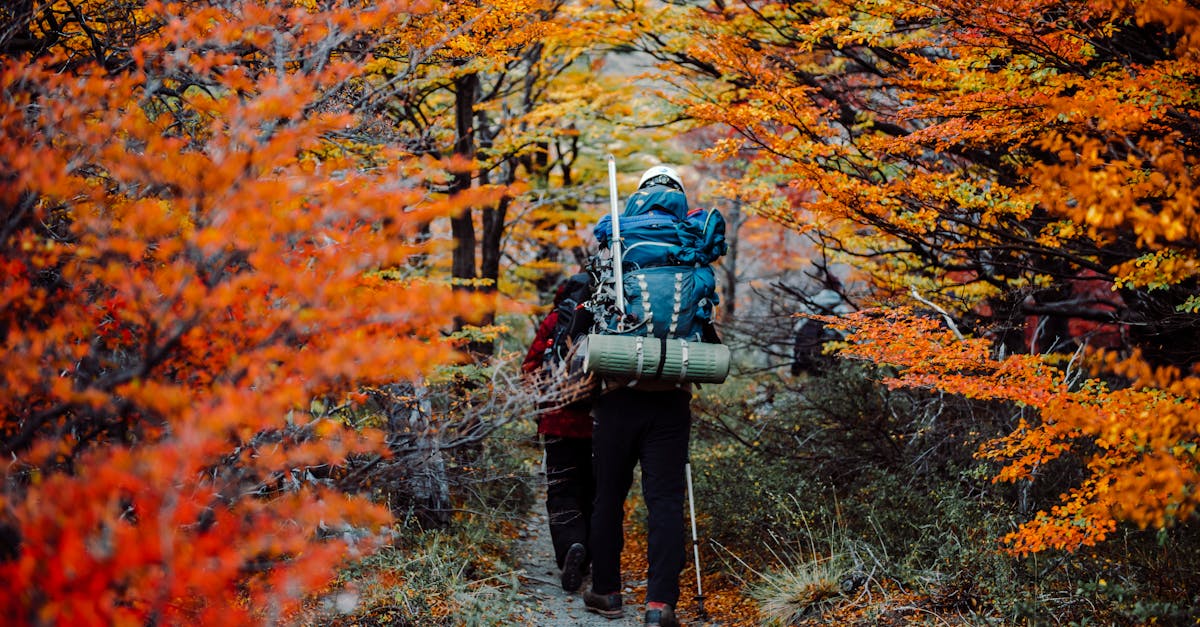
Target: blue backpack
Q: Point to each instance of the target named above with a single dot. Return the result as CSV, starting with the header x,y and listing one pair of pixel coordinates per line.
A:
x,y
669,284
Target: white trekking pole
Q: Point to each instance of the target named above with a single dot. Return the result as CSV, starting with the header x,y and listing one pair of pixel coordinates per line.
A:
x,y
616,241
687,467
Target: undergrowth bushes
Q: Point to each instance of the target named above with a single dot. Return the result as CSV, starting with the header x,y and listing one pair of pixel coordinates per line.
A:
x,y
829,494
449,567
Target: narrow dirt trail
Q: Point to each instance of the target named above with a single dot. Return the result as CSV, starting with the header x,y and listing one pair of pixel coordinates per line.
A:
x,y
542,600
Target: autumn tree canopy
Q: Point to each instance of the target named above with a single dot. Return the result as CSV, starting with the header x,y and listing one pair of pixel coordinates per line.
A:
x,y
1027,167
199,214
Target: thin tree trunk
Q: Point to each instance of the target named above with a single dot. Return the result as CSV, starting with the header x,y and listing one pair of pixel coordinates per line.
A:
x,y
412,430
493,237
733,223
462,226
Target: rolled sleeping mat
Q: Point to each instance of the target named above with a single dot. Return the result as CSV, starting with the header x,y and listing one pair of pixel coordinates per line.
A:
x,y
653,359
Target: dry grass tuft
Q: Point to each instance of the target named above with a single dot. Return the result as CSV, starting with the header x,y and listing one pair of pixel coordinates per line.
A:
x,y
787,595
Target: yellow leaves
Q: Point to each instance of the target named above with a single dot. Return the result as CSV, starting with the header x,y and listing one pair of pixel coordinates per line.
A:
x,y
488,34
1055,234
385,66
1150,192
1157,270
826,26
725,148
463,45
564,101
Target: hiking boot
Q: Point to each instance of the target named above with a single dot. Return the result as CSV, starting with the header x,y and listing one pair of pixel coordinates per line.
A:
x,y
661,617
606,605
572,568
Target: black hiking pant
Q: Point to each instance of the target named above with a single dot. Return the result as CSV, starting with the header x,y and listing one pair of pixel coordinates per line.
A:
x,y
650,428
570,490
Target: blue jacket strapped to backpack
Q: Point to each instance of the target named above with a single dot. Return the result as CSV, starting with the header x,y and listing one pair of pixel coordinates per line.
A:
x,y
658,230
666,252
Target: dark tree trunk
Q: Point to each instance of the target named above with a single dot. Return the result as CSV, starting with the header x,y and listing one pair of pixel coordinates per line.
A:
x,y
493,237
462,226
728,266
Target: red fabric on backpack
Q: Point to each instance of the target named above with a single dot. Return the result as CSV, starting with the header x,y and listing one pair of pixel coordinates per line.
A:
x,y
571,421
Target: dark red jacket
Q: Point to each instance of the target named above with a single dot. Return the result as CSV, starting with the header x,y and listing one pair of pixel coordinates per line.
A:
x,y
572,421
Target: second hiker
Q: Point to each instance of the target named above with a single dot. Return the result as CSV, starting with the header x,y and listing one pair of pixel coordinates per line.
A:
x,y
567,435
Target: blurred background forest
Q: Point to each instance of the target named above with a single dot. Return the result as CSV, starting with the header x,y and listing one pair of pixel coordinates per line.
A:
x,y
269,267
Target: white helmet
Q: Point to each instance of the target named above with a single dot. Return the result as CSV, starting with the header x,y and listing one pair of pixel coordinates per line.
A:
x,y
653,176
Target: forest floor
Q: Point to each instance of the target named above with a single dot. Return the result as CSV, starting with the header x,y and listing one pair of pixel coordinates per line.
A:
x,y
542,599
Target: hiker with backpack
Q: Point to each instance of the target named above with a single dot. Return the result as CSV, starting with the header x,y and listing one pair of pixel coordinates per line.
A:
x,y
566,430
646,420
812,335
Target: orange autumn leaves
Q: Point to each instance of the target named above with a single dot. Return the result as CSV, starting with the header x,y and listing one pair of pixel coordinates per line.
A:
x,y
195,210
194,223
1137,443
954,135
992,156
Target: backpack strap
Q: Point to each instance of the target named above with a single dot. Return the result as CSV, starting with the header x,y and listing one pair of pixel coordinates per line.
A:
x,y
662,357
684,354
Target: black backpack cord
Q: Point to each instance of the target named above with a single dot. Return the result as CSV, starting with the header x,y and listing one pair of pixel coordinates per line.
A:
x,y
662,357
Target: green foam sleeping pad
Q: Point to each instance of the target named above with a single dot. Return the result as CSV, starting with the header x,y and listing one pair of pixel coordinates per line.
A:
x,y
640,357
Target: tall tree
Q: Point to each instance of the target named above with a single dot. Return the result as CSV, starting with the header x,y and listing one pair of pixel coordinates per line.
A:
x,y
987,157
508,97
936,134
197,204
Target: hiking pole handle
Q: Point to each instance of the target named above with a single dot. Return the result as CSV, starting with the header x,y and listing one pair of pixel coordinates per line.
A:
x,y
616,239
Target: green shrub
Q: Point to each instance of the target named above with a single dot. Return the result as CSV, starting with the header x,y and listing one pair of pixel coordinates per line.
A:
x,y
795,476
